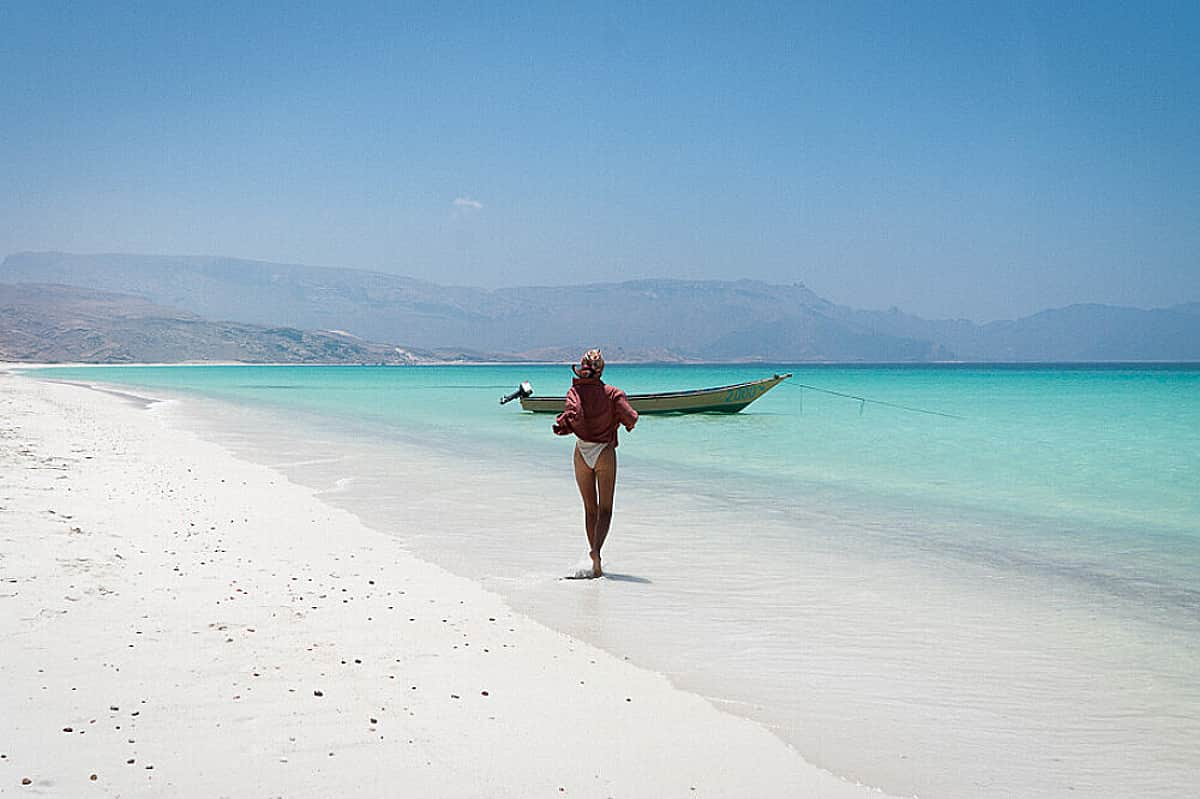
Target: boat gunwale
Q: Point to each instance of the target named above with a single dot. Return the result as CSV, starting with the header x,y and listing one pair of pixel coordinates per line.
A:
x,y
687,393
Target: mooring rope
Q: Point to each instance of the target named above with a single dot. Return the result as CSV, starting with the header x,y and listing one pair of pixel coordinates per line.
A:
x,y
862,401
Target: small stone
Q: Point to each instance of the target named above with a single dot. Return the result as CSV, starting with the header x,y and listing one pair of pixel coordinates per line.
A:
x,y
483,693
113,708
93,778
129,761
68,729
25,780
374,721
149,768
318,693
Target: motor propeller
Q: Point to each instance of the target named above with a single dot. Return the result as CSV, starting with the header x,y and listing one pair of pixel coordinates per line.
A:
x,y
523,390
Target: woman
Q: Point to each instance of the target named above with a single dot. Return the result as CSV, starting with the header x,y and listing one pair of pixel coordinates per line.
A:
x,y
593,413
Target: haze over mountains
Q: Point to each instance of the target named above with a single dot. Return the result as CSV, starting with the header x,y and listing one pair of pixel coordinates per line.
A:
x,y
53,324
260,311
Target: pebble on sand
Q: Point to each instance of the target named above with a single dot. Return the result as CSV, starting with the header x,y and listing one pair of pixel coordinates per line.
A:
x,y
318,693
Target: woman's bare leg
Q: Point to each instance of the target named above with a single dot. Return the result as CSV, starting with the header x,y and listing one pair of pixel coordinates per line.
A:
x,y
585,478
606,484
596,487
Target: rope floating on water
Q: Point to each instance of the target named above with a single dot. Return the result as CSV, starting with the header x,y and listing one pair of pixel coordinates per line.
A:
x,y
862,401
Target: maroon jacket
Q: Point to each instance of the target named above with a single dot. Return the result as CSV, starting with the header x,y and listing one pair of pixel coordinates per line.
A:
x,y
594,411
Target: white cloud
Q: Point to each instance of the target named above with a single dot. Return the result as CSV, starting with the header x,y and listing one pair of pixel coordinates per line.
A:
x,y
467,202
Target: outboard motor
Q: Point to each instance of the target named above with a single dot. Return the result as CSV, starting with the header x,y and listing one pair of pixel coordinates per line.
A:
x,y
523,390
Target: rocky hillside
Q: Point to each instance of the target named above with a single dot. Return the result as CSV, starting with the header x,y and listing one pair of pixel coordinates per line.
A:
x,y
55,324
642,320
660,320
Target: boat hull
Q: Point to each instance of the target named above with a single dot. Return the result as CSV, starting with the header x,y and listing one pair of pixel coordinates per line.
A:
x,y
723,399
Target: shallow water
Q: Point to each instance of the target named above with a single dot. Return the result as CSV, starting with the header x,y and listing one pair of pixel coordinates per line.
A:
x,y
1004,603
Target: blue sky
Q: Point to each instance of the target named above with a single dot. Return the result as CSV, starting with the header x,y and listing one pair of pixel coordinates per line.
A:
x,y
977,160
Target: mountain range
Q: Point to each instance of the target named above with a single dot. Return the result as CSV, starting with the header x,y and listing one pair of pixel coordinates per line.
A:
x,y
54,324
253,309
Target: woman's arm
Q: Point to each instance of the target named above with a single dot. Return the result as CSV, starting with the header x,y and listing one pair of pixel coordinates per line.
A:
x,y
626,415
564,423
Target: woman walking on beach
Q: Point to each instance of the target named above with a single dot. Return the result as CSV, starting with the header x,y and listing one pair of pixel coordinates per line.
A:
x,y
594,412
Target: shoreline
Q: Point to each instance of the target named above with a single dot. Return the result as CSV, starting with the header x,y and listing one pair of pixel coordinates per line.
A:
x,y
248,637
954,364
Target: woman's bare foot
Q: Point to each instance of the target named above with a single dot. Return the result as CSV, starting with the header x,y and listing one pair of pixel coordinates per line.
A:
x,y
596,570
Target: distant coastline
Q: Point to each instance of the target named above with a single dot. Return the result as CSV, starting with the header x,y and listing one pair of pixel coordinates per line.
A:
x,y
60,307
1015,365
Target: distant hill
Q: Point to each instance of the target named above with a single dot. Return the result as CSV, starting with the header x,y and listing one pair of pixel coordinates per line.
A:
x,y
56,324
1094,333
661,320
1084,332
638,320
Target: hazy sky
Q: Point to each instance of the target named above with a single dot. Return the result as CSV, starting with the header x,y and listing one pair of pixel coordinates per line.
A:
x,y
954,159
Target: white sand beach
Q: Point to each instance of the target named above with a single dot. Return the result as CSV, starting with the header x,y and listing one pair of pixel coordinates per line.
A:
x,y
180,622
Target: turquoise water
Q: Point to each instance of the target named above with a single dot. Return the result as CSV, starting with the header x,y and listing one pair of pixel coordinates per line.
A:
x,y
1107,446
999,598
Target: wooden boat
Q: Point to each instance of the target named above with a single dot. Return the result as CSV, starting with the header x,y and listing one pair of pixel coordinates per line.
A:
x,y
723,399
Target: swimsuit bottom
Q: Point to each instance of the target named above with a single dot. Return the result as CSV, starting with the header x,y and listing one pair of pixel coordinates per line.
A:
x,y
590,450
